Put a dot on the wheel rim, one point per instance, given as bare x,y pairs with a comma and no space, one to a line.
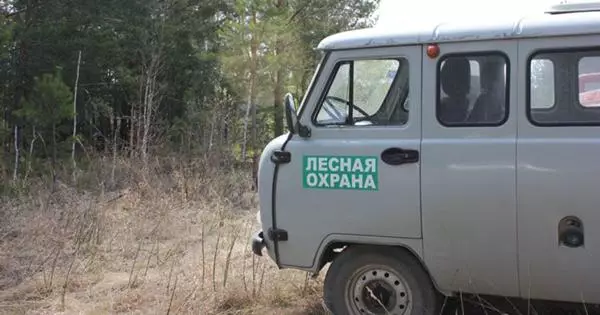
378,290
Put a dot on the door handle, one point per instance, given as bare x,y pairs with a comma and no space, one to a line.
398,156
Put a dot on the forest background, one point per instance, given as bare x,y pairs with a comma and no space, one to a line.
129,135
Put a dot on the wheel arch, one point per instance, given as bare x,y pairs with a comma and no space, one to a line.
332,246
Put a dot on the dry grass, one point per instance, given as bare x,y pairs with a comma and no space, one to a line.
172,240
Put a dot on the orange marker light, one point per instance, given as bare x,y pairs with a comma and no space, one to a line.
433,51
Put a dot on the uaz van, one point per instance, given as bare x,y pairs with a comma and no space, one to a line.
459,158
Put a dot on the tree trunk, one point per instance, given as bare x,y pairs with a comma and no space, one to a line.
278,88
304,83
147,106
211,136
54,155
131,131
17,155
253,81
246,121
278,95
5,141
136,135
30,156
112,128
251,106
114,152
151,99
75,116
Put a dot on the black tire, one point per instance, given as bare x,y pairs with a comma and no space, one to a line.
339,292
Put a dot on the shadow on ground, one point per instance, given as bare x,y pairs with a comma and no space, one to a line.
486,305
479,305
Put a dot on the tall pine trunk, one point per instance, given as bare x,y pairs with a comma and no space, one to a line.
54,155
252,92
278,84
246,123
17,155
253,84
278,93
75,116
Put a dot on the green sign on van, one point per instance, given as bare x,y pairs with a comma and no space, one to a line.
340,172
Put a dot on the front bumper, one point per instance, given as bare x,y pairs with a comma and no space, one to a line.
258,243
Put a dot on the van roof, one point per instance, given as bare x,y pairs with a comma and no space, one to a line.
559,20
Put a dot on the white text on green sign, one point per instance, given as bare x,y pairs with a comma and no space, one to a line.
340,172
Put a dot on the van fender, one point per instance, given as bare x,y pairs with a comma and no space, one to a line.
333,241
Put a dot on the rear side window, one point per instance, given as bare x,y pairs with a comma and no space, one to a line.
472,90
366,92
589,81
564,88
542,83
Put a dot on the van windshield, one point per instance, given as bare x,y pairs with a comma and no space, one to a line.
366,91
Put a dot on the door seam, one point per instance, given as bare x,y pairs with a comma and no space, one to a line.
518,115
421,64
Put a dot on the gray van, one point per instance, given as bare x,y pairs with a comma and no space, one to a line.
461,158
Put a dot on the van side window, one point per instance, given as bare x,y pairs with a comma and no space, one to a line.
472,90
589,81
366,92
542,83
564,88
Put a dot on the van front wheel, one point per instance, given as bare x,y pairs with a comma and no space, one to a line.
375,281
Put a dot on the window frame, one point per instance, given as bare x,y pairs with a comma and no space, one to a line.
333,74
438,89
575,102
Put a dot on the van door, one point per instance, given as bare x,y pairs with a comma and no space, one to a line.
558,170
468,161
357,174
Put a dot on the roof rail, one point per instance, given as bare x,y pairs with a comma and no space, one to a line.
574,7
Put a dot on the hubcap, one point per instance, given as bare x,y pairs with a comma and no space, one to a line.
376,290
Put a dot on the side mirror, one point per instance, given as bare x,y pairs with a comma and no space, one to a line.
291,117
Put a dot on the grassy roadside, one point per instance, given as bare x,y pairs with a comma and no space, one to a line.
172,240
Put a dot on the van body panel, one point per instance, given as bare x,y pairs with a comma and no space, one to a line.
468,189
265,172
558,176
392,210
